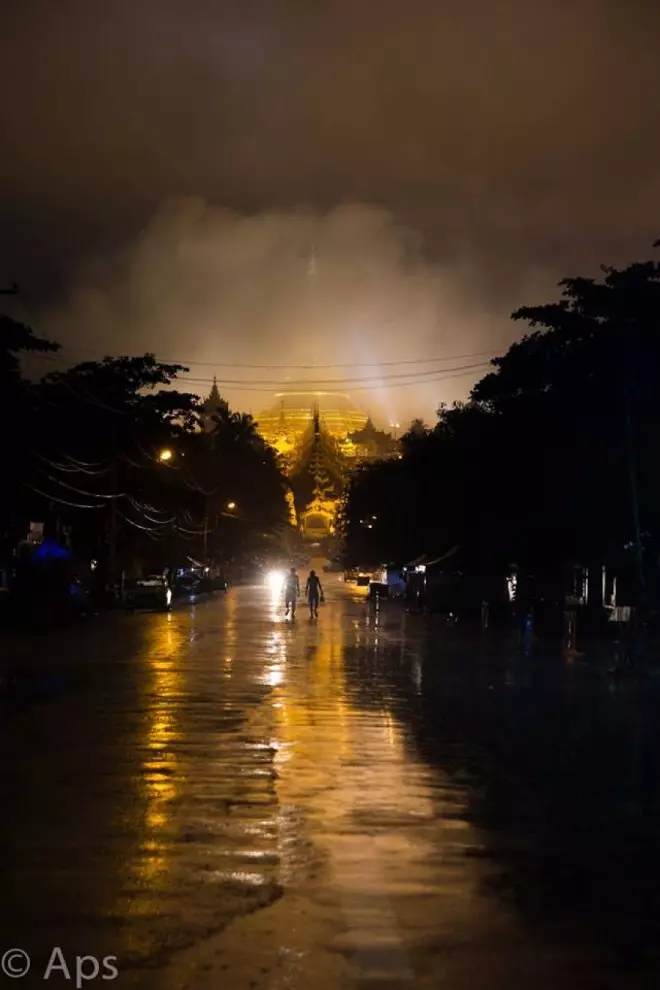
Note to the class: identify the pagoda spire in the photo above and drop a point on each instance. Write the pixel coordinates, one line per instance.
(214, 394)
(212, 405)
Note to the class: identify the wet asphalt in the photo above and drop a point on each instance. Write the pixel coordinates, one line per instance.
(220, 797)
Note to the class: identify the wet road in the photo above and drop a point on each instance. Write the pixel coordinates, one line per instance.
(219, 797)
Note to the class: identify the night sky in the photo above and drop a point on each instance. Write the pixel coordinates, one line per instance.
(284, 182)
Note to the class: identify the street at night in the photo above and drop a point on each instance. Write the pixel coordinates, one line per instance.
(345, 310)
(221, 797)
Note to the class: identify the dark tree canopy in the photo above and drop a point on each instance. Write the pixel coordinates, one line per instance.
(552, 460)
(86, 454)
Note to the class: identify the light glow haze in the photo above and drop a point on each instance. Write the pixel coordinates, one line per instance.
(349, 287)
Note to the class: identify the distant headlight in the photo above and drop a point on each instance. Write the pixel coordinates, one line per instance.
(168, 596)
(275, 581)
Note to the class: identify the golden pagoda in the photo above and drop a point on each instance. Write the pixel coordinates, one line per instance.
(284, 423)
(320, 436)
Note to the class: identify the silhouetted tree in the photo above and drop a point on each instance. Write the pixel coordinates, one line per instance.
(17, 414)
(553, 459)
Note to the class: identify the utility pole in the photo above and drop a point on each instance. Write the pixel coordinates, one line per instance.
(113, 522)
(113, 527)
(638, 619)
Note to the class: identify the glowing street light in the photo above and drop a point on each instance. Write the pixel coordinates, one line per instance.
(231, 506)
(165, 455)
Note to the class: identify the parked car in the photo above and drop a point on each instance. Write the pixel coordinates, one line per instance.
(194, 587)
(185, 587)
(378, 589)
(152, 592)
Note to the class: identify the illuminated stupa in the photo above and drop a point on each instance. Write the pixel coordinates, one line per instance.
(284, 424)
(320, 437)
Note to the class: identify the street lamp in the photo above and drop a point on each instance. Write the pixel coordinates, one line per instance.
(231, 506)
(165, 455)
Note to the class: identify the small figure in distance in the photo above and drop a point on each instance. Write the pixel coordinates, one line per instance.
(291, 592)
(314, 593)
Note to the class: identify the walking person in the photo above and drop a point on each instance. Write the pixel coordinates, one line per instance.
(314, 594)
(291, 592)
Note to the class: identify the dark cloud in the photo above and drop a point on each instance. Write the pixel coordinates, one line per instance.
(519, 140)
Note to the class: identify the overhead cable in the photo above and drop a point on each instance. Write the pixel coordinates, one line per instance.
(305, 367)
(62, 501)
(73, 488)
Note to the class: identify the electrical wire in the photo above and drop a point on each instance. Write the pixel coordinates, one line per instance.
(89, 398)
(290, 384)
(72, 488)
(61, 501)
(349, 364)
(355, 384)
(86, 464)
(154, 458)
(355, 388)
(196, 532)
(102, 405)
(158, 522)
(69, 469)
(150, 457)
(305, 367)
(196, 487)
(147, 529)
(145, 505)
(129, 460)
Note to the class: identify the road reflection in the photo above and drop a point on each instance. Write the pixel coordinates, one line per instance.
(161, 771)
(353, 794)
(423, 812)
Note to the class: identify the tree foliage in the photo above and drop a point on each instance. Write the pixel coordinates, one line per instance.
(86, 459)
(552, 460)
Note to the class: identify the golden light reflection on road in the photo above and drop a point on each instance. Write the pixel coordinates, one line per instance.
(230, 630)
(322, 737)
(161, 774)
(265, 804)
(348, 782)
(272, 758)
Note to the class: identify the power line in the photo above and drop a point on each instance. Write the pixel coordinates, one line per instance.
(73, 488)
(460, 372)
(323, 367)
(62, 501)
(296, 367)
(152, 519)
(75, 467)
(353, 384)
(290, 384)
(146, 529)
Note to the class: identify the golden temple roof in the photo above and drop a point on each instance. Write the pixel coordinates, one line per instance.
(292, 412)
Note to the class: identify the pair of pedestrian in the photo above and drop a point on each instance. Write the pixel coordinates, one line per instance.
(313, 593)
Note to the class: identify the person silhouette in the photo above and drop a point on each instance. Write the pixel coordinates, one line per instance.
(314, 594)
(291, 592)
